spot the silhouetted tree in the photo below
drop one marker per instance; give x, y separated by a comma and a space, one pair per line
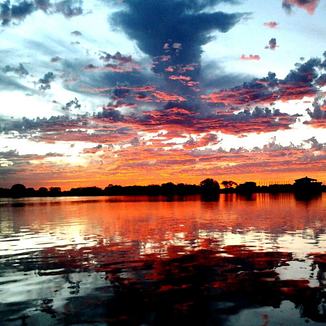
87, 191
55, 191
152, 190
168, 189
43, 192
113, 190
209, 187
247, 188
228, 184
31, 192
18, 190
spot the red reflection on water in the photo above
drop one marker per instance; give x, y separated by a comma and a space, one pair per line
169, 262
138, 218
189, 289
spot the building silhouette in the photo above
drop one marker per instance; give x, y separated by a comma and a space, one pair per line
307, 186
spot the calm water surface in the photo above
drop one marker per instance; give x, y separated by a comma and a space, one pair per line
147, 261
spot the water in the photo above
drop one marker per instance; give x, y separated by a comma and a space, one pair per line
150, 261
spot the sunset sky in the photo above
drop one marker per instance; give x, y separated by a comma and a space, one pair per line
128, 92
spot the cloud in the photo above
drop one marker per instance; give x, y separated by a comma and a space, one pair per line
110, 114
166, 97
55, 59
8, 83
176, 118
115, 63
308, 5
17, 12
175, 112
250, 57
213, 76
118, 57
165, 107
306, 72
271, 24
272, 45
315, 144
76, 33
318, 114
73, 104
173, 68
45, 82
302, 81
68, 8
173, 32
20, 70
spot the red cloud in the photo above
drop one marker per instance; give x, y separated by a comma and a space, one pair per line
250, 57
271, 24
180, 77
176, 119
166, 97
317, 123
308, 5
240, 96
260, 93
169, 69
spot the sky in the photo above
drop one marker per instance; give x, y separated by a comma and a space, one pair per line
130, 92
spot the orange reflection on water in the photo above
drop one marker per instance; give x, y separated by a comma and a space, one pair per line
264, 221
140, 260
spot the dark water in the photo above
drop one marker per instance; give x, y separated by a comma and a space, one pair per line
142, 261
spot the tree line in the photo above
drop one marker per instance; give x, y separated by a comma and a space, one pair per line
207, 187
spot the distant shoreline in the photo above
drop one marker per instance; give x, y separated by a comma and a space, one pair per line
208, 188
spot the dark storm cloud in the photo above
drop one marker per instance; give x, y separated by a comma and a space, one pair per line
16, 12
176, 28
172, 33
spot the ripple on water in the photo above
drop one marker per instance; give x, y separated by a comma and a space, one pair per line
162, 263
